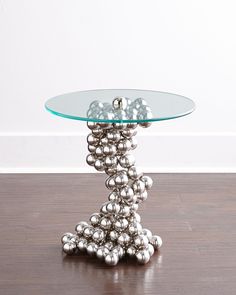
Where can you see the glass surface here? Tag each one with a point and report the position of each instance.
(142, 105)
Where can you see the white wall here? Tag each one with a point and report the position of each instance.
(49, 47)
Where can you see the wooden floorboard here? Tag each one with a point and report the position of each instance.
(195, 214)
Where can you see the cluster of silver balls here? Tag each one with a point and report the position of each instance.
(116, 230)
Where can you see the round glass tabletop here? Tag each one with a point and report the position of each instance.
(120, 105)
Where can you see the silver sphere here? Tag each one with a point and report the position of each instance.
(127, 193)
(114, 196)
(92, 125)
(99, 152)
(79, 228)
(141, 241)
(92, 148)
(132, 125)
(88, 231)
(109, 149)
(69, 248)
(111, 258)
(95, 218)
(135, 228)
(145, 124)
(156, 241)
(120, 116)
(134, 172)
(147, 181)
(96, 104)
(119, 250)
(120, 103)
(135, 217)
(111, 171)
(134, 207)
(124, 211)
(121, 224)
(128, 133)
(92, 140)
(66, 237)
(104, 140)
(126, 161)
(138, 186)
(92, 248)
(142, 197)
(123, 239)
(143, 256)
(113, 235)
(90, 159)
(131, 251)
(97, 132)
(121, 179)
(147, 233)
(105, 223)
(110, 161)
(99, 165)
(113, 208)
(82, 244)
(102, 252)
(113, 136)
(109, 245)
(124, 145)
(98, 235)
(150, 249)
(104, 208)
(110, 183)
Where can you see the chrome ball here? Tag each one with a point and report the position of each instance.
(102, 252)
(113, 208)
(96, 104)
(99, 152)
(128, 133)
(82, 244)
(105, 223)
(98, 235)
(121, 224)
(92, 140)
(69, 248)
(135, 228)
(90, 159)
(119, 251)
(97, 132)
(113, 235)
(92, 248)
(92, 125)
(124, 211)
(141, 241)
(92, 148)
(150, 249)
(113, 136)
(138, 186)
(114, 196)
(143, 256)
(111, 170)
(110, 161)
(99, 165)
(109, 245)
(131, 251)
(104, 140)
(123, 239)
(121, 179)
(126, 193)
(142, 197)
(147, 181)
(134, 172)
(135, 217)
(110, 183)
(66, 238)
(123, 146)
(145, 124)
(126, 161)
(95, 218)
(147, 233)
(132, 125)
(109, 149)
(111, 258)
(120, 103)
(79, 228)
(156, 241)
(88, 231)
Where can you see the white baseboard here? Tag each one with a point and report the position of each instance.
(65, 153)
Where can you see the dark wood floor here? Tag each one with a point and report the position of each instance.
(195, 214)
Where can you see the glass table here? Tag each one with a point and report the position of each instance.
(112, 116)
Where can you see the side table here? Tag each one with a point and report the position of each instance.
(112, 116)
